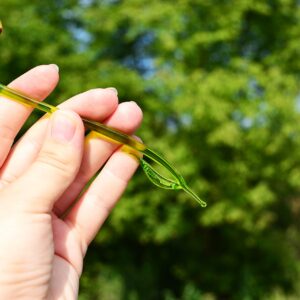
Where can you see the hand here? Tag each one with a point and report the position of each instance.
(41, 253)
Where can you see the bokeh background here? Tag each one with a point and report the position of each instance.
(218, 82)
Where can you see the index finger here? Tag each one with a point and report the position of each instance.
(37, 83)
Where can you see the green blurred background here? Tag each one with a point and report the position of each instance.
(218, 82)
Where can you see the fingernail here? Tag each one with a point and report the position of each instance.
(54, 66)
(137, 138)
(62, 127)
(113, 89)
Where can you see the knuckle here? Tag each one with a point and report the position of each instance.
(83, 176)
(7, 133)
(7, 179)
(61, 162)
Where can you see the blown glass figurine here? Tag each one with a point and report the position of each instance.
(130, 145)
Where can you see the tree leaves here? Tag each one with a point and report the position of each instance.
(219, 87)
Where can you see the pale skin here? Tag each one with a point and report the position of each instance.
(42, 247)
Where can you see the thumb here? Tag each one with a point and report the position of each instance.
(55, 167)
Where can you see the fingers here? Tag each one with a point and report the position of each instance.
(92, 209)
(97, 104)
(126, 118)
(53, 170)
(37, 83)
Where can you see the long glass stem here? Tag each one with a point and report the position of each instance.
(113, 135)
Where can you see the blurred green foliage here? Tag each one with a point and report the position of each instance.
(218, 82)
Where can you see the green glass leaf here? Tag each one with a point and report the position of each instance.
(176, 183)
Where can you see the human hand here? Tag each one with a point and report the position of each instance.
(41, 253)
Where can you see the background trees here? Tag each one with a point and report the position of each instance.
(219, 85)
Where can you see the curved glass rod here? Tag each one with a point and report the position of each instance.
(130, 145)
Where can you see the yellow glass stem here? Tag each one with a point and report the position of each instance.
(132, 146)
